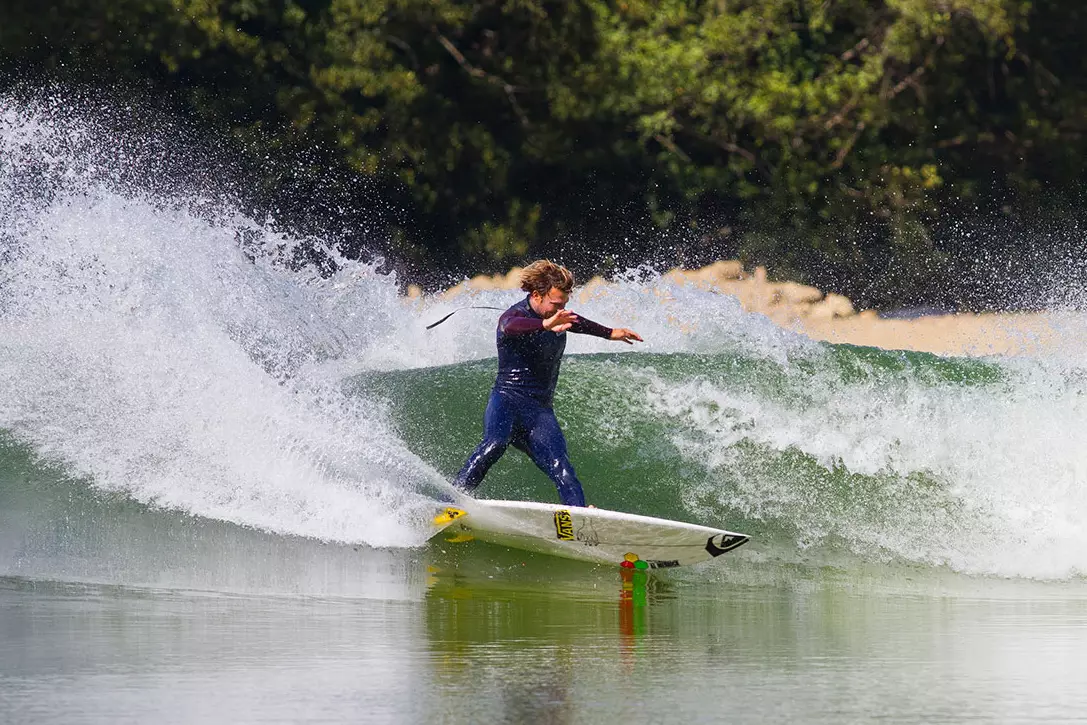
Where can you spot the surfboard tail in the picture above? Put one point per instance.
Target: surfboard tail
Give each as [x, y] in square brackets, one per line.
[448, 516]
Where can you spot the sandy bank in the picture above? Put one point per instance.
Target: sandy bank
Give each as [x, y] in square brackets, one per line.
[832, 317]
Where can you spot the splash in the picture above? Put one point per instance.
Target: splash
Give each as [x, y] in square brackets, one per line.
[157, 342]
[162, 345]
[981, 473]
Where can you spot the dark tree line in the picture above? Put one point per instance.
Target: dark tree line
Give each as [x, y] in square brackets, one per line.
[896, 151]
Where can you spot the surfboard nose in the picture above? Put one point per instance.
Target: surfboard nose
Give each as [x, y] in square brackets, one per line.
[723, 543]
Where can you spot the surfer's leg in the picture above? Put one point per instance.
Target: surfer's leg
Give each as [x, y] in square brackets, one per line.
[547, 447]
[497, 427]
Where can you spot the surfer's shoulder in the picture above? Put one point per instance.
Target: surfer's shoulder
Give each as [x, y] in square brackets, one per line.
[520, 318]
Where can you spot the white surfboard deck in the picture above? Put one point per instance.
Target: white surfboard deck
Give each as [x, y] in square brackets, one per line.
[586, 534]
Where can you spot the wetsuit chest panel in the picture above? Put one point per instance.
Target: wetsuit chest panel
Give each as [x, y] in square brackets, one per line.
[528, 363]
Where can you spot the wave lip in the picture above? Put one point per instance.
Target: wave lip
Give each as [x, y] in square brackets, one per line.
[165, 347]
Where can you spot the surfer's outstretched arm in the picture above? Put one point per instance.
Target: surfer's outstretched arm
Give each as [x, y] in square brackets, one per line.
[585, 326]
[622, 334]
[516, 322]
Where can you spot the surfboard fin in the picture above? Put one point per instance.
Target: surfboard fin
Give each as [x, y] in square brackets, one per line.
[460, 538]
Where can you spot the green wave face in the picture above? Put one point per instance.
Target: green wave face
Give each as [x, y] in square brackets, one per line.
[56, 527]
[835, 450]
[176, 386]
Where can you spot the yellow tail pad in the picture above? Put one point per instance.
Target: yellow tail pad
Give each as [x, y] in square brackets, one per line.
[448, 516]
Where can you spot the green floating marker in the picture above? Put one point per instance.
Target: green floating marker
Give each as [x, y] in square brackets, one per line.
[640, 564]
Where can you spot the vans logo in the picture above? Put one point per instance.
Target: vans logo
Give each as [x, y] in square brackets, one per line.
[564, 525]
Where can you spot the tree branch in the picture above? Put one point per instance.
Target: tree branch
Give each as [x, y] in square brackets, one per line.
[855, 50]
[839, 158]
[733, 148]
[947, 143]
[727, 146]
[404, 47]
[671, 146]
[850, 191]
[841, 114]
[910, 80]
[475, 72]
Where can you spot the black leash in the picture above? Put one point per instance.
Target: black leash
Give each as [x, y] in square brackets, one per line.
[470, 307]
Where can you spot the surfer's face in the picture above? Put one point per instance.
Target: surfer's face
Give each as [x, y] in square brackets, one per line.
[549, 304]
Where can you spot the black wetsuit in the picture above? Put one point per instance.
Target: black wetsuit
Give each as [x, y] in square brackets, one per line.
[519, 410]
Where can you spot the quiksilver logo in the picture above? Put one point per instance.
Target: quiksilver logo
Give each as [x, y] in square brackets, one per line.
[720, 543]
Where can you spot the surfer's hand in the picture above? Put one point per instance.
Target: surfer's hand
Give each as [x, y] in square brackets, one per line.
[624, 335]
[561, 321]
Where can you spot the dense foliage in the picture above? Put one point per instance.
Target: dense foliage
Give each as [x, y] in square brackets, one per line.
[857, 145]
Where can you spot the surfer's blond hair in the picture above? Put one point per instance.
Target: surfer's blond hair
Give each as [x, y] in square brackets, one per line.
[543, 274]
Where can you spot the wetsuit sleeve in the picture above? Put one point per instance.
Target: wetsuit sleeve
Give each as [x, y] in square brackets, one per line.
[513, 322]
[588, 327]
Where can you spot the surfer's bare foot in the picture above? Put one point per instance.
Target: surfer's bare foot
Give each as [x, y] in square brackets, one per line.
[590, 506]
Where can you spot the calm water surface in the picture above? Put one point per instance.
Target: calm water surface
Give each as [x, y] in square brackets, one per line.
[491, 638]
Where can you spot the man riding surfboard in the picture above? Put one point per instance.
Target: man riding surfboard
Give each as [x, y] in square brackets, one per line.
[531, 338]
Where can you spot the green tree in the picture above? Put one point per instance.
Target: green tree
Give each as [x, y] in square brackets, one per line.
[831, 141]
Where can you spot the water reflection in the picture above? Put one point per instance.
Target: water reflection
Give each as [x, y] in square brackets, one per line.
[497, 636]
[531, 640]
[531, 637]
[299, 630]
[633, 599]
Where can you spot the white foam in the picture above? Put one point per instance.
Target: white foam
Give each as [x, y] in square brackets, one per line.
[143, 348]
[985, 479]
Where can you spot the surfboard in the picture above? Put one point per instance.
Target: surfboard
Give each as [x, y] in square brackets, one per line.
[586, 534]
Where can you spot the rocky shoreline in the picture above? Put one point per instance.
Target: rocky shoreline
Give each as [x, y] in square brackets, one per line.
[833, 317]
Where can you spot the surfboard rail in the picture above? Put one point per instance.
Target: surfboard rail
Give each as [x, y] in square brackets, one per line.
[631, 541]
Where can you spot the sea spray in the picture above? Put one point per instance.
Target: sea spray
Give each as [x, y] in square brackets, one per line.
[161, 344]
[149, 351]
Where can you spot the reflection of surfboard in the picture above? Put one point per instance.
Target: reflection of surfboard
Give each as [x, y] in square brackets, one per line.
[596, 535]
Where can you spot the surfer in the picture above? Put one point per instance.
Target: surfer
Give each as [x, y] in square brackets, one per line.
[531, 338]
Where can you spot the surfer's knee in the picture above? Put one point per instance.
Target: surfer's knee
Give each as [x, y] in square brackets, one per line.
[571, 494]
[562, 475]
[548, 451]
[492, 448]
[485, 456]
[561, 468]
[475, 468]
